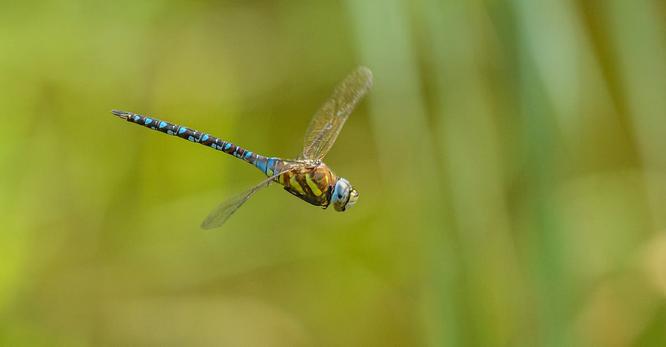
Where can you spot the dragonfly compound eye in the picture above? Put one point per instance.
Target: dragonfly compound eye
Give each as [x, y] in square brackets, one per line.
[341, 194]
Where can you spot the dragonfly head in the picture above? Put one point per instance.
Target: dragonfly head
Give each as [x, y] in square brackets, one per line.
[344, 195]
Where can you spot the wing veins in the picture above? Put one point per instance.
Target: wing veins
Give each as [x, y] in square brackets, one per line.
[327, 122]
[219, 215]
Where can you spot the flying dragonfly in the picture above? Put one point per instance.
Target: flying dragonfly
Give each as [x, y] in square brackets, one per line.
[307, 176]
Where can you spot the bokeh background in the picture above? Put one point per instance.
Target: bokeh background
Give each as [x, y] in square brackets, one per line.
[511, 160]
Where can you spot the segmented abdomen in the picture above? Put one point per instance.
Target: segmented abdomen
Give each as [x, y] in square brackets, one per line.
[262, 163]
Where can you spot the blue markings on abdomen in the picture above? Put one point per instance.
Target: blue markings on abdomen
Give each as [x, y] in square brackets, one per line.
[270, 166]
[261, 164]
[264, 164]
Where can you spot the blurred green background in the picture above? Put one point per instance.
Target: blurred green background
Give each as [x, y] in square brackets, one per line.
[511, 161]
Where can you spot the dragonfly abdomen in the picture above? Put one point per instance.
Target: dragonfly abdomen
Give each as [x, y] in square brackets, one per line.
[196, 136]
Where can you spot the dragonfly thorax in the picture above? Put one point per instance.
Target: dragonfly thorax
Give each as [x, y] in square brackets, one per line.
[312, 183]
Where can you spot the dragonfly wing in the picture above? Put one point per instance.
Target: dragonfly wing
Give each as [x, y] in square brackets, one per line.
[329, 119]
[221, 213]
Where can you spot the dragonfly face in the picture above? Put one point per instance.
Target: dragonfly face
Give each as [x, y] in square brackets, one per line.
[344, 195]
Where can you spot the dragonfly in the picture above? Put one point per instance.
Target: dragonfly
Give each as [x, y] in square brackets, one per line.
[307, 177]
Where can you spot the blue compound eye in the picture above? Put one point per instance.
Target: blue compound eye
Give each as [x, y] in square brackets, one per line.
[341, 194]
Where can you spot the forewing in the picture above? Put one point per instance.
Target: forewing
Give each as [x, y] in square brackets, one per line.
[220, 214]
[329, 119]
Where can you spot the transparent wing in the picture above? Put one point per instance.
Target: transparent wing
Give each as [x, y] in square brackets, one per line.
[220, 214]
[328, 121]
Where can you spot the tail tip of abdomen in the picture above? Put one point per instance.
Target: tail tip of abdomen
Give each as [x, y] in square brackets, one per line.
[121, 114]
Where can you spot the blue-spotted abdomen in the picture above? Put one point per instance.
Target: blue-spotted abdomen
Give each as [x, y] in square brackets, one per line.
[192, 135]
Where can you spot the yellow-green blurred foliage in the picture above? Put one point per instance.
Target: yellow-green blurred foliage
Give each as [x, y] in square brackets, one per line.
[511, 161]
